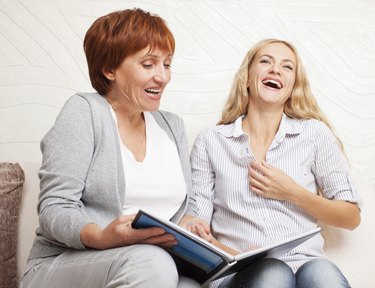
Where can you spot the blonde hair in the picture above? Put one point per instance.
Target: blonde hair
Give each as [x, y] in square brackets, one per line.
[300, 105]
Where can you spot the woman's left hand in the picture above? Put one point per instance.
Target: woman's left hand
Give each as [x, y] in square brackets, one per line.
[270, 182]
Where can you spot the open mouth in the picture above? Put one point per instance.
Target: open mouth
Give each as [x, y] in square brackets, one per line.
[272, 83]
[153, 91]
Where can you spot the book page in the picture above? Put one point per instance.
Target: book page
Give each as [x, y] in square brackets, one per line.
[281, 247]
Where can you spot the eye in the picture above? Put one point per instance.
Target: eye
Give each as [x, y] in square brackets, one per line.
[146, 65]
[167, 66]
[289, 67]
[265, 61]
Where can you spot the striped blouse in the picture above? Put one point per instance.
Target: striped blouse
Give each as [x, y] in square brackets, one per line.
[306, 150]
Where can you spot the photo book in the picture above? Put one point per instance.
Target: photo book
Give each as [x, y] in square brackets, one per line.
[198, 259]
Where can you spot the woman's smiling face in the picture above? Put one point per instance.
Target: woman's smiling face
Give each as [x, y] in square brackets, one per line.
[141, 79]
[272, 75]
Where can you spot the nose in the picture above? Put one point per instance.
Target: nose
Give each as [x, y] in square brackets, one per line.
[275, 69]
[162, 75]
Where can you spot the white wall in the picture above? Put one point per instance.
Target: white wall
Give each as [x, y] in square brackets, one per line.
[42, 63]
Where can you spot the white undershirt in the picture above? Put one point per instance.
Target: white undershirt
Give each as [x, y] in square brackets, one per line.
[157, 184]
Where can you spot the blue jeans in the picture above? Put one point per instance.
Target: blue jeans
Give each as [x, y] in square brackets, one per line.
[270, 272]
[320, 273]
[265, 273]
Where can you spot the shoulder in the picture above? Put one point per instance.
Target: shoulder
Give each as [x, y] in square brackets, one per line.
[223, 130]
[307, 126]
[314, 131]
[210, 136]
[86, 109]
[85, 100]
[317, 127]
[93, 99]
[75, 118]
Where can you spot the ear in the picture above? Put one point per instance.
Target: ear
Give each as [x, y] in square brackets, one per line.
[109, 75]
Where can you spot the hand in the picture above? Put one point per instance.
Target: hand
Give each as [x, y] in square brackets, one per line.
[120, 233]
[270, 182]
[202, 229]
[197, 226]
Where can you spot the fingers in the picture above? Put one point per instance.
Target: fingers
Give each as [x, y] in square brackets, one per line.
[257, 167]
[262, 168]
[168, 244]
[191, 227]
[142, 234]
[193, 223]
[205, 226]
[165, 240]
[256, 179]
[201, 232]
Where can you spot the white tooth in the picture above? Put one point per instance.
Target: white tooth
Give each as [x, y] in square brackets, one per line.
[273, 81]
[153, 90]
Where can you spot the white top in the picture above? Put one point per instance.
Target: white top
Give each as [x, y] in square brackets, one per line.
[157, 184]
[306, 150]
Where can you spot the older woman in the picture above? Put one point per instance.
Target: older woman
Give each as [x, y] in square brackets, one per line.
[107, 155]
[273, 133]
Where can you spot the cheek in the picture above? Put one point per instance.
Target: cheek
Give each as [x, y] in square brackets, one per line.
[169, 76]
[291, 82]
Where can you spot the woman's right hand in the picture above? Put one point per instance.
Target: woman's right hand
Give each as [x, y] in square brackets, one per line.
[120, 233]
[202, 229]
[196, 225]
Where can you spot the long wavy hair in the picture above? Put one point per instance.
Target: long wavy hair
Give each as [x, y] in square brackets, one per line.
[300, 105]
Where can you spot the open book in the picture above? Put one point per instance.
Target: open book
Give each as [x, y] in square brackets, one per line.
[200, 260]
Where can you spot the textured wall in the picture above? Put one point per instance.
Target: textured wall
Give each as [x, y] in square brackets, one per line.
[42, 64]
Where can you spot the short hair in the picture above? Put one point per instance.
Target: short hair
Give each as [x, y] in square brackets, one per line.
[113, 37]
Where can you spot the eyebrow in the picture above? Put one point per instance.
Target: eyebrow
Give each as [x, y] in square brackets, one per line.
[283, 60]
[155, 56]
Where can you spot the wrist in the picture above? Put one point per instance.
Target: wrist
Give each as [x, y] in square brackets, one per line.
[185, 220]
[91, 235]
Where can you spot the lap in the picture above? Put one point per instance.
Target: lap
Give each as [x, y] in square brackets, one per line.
[135, 264]
[267, 272]
[320, 273]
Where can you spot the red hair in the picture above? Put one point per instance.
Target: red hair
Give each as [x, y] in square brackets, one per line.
[113, 37]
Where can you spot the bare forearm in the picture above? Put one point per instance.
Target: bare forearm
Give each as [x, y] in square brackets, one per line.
[224, 247]
[337, 213]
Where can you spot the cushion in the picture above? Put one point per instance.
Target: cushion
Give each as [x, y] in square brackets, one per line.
[12, 178]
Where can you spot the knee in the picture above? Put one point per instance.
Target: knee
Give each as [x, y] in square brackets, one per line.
[320, 273]
[147, 266]
[160, 267]
[318, 266]
[275, 267]
[267, 272]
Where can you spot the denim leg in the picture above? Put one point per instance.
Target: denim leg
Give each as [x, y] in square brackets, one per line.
[265, 273]
[320, 273]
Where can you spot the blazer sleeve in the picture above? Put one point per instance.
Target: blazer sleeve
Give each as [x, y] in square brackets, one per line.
[67, 153]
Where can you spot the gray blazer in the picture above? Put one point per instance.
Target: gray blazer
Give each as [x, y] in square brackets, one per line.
[82, 179]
